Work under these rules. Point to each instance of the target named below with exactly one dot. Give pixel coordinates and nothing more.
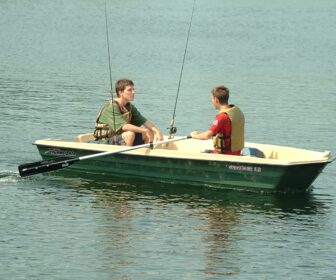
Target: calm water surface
(278, 59)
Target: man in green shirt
(120, 123)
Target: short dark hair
(121, 84)
(222, 93)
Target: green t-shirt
(109, 113)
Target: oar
(33, 168)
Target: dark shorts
(118, 140)
(138, 139)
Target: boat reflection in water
(134, 189)
(139, 222)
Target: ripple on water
(9, 177)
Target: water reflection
(135, 189)
(132, 223)
(138, 212)
(220, 237)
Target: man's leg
(128, 137)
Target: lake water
(279, 60)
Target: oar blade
(37, 167)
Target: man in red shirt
(227, 129)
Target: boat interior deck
(251, 150)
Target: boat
(183, 160)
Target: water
(278, 59)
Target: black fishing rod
(172, 128)
(109, 63)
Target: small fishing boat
(183, 160)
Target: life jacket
(103, 132)
(234, 142)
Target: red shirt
(222, 124)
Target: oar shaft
(133, 148)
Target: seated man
(120, 123)
(228, 127)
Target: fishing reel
(172, 129)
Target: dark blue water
(278, 59)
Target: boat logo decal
(60, 152)
(245, 168)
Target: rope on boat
(172, 128)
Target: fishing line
(172, 128)
(109, 62)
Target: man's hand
(194, 133)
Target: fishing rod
(172, 128)
(109, 63)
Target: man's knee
(128, 137)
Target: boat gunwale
(173, 154)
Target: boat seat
(82, 138)
(252, 152)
